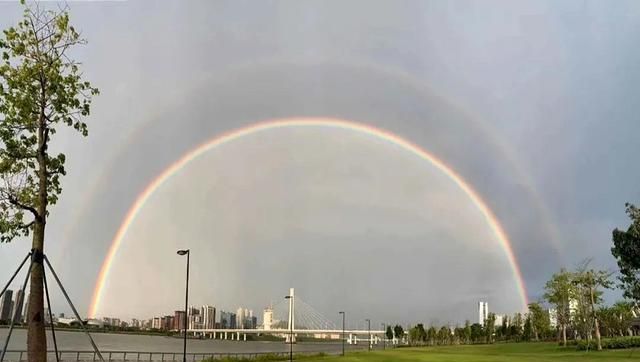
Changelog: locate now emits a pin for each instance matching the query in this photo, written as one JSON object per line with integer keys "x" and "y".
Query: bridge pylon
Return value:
{"x": 291, "y": 337}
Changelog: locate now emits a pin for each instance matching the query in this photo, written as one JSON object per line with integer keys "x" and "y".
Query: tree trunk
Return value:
{"x": 595, "y": 319}
{"x": 36, "y": 336}
{"x": 564, "y": 335}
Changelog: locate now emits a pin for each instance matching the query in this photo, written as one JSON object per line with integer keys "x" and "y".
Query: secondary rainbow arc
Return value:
{"x": 232, "y": 135}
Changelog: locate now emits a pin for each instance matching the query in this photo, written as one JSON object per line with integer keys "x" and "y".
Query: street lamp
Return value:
{"x": 369, "y": 331}
{"x": 384, "y": 336}
{"x": 186, "y": 303}
{"x": 290, "y": 330}
{"x": 343, "y": 316}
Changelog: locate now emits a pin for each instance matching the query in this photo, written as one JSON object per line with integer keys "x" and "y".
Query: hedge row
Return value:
{"x": 610, "y": 343}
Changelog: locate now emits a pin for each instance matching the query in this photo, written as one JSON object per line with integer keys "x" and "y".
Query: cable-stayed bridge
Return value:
{"x": 294, "y": 317}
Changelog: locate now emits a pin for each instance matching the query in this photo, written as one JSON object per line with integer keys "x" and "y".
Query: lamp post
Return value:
{"x": 186, "y": 303}
{"x": 343, "y": 316}
{"x": 384, "y": 336}
{"x": 369, "y": 331}
{"x": 290, "y": 331}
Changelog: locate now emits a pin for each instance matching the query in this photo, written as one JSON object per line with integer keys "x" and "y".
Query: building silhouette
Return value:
{"x": 208, "y": 314}
{"x": 483, "y": 312}
{"x": 18, "y": 306}
{"x": 5, "y": 306}
{"x": 178, "y": 320}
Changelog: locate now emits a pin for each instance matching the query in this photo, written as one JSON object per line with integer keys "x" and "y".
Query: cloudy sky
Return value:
{"x": 534, "y": 104}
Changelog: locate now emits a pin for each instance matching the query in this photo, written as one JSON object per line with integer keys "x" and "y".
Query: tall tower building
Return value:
{"x": 5, "y": 305}
{"x": 292, "y": 309}
{"x": 178, "y": 320}
{"x": 194, "y": 318}
{"x": 208, "y": 317}
{"x": 26, "y": 310}
{"x": 483, "y": 312}
{"x": 240, "y": 318}
{"x": 267, "y": 319}
{"x": 17, "y": 307}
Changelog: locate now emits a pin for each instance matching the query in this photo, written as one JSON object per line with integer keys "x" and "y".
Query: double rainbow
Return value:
{"x": 230, "y": 136}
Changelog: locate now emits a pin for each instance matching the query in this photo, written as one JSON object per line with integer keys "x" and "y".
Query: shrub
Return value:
{"x": 610, "y": 343}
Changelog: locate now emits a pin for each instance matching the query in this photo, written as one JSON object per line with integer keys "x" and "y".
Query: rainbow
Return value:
{"x": 230, "y": 136}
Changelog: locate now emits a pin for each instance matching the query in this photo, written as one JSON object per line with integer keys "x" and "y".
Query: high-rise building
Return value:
{"x": 166, "y": 323}
{"x": 115, "y": 322}
{"x": 483, "y": 312}
{"x": 178, "y": 320}
{"x": 224, "y": 319}
{"x": 240, "y": 318}
{"x": 47, "y": 318}
{"x": 267, "y": 319}
{"x": 135, "y": 323}
{"x": 553, "y": 317}
{"x": 194, "y": 319}
{"x": 26, "y": 309}
{"x": 208, "y": 316}
{"x": 17, "y": 307}
{"x": 254, "y": 322}
{"x": 156, "y": 323}
{"x": 5, "y": 305}
{"x": 232, "y": 321}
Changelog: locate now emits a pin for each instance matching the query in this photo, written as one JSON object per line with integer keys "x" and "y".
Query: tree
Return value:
{"x": 527, "y": 329}
{"x": 626, "y": 250}
{"x": 616, "y": 320}
{"x": 476, "y": 332}
{"x": 389, "y": 332}
{"x": 41, "y": 89}
{"x": 558, "y": 292}
{"x": 398, "y": 331}
{"x": 467, "y": 331}
{"x": 444, "y": 335}
{"x": 417, "y": 334}
{"x": 504, "y": 329}
{"x": 432, "y": 335}
{"x": 517, "y": 326}
{"x": 458, "y": 335}
{"x": 623, "y": 311}
{"x": 591, "y": 282}
{"x": 490, "y": 326}
{"x": 540, "y": 323}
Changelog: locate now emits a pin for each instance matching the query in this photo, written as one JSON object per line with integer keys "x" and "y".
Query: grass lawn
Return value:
{"x": 516, "y": 352}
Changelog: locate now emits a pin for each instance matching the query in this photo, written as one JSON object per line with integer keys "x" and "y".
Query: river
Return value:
{"x": 142, "y": 343}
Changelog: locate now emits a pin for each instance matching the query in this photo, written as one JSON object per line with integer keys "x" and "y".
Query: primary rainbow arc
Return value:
{"x": 230, "y": 136}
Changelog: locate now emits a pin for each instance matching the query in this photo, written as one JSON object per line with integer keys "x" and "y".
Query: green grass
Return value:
{"x": 512, "y": 352}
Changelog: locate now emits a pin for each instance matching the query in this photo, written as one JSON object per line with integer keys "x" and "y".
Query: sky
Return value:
{"x": 533, "y": 103}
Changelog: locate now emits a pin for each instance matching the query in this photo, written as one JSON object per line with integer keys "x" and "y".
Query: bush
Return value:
{"x": 610, "y": 343}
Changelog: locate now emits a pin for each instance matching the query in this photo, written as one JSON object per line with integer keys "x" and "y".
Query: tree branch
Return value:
{"x": 15, "y": 202}
{"x": 26, "y": 226}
